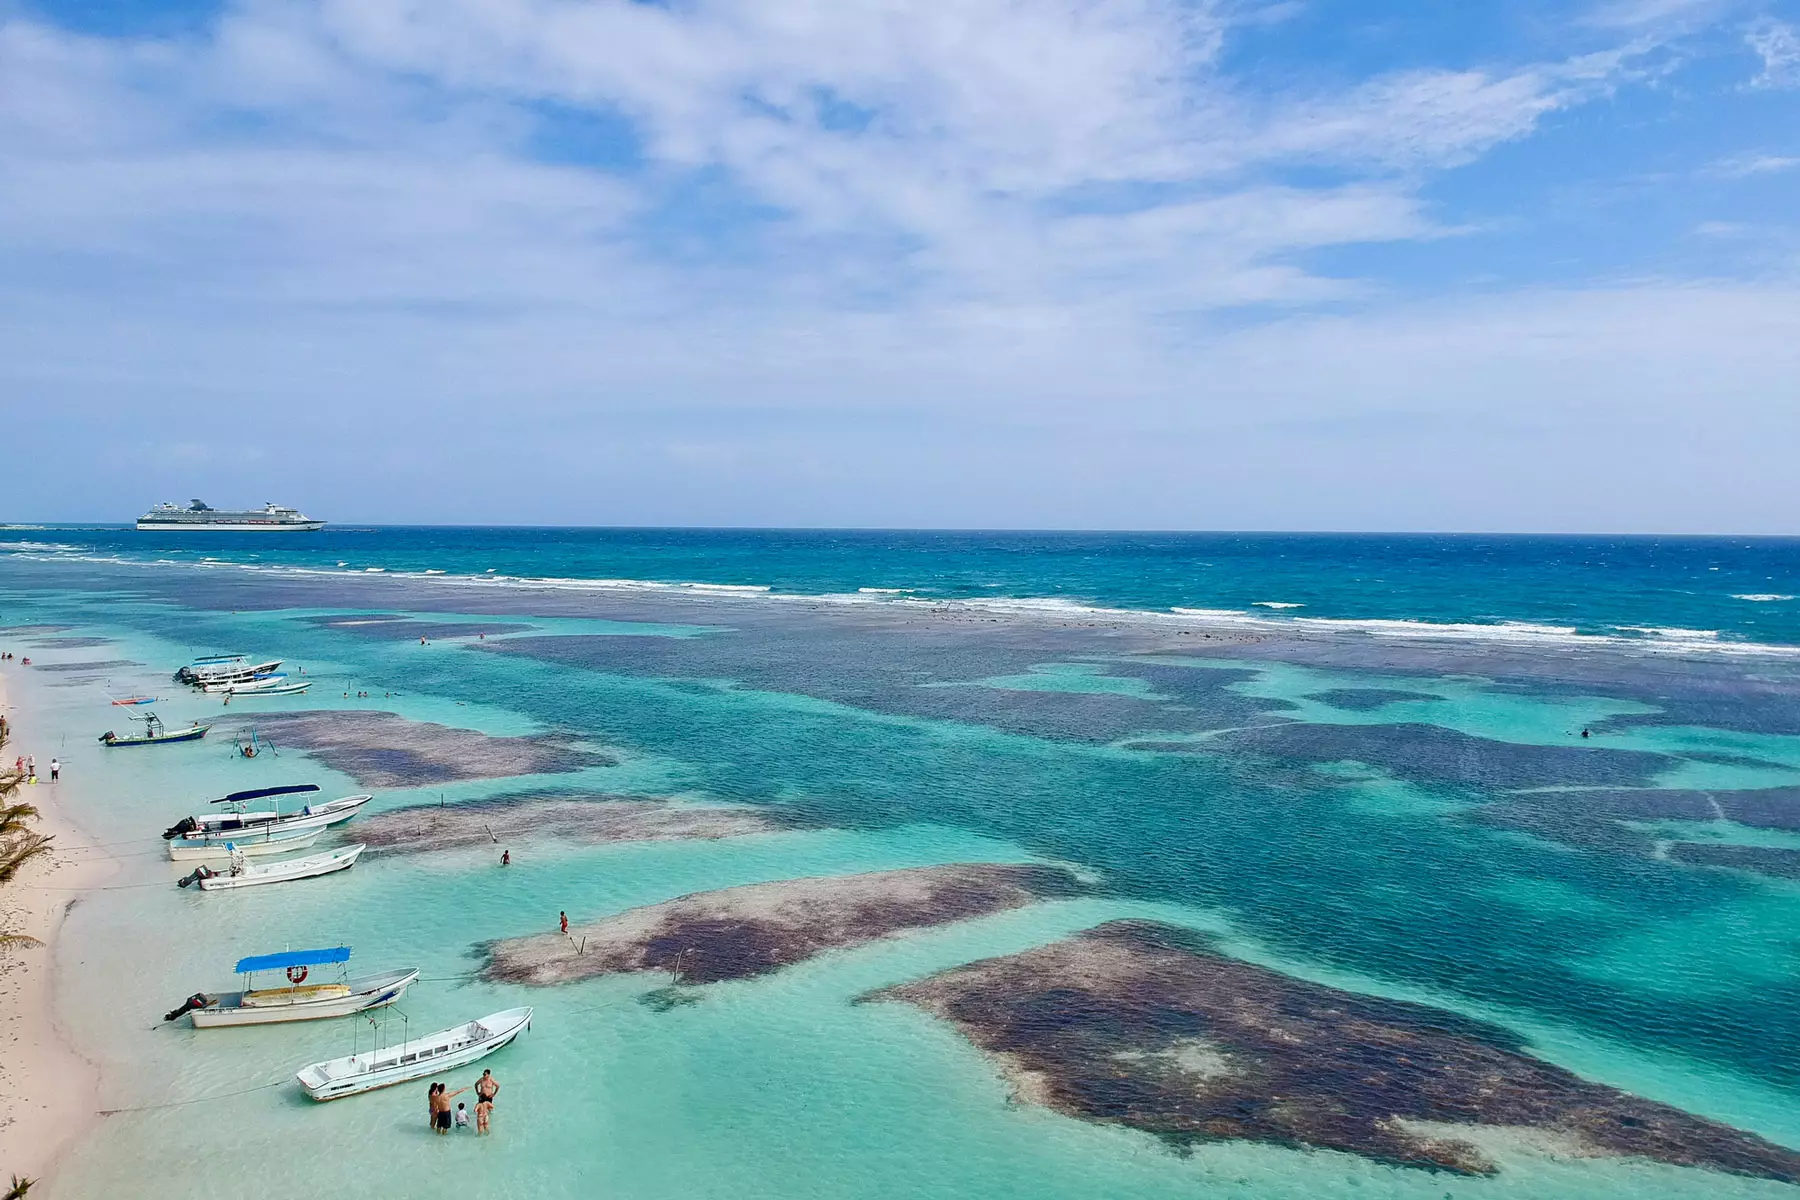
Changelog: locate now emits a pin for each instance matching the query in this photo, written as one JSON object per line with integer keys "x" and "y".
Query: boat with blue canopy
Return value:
{"x": 241, "y": 823}
{"x": 300, "y": 995}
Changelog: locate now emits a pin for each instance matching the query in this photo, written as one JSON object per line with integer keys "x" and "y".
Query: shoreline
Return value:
{"x": 50, "y": 1091}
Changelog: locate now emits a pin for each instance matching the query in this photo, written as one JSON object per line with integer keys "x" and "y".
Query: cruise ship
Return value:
{"x": 168, "y": 518}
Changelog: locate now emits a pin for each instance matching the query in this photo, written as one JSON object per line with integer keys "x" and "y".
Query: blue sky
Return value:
{"x": 1070, "y": 263}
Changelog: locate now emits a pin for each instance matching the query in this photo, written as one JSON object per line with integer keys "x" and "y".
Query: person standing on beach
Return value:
{"x": 55, "y": 770}
{"x": 565, "y": 923}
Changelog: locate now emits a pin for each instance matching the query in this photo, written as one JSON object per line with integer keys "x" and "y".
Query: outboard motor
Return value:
{"x": 195, "y": 876}
{"x": 197, "y": 1000}
{"x": 181, "y": 828}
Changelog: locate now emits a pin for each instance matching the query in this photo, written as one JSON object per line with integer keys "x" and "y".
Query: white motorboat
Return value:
{"x": 225, "y": 669}
{"x": 253, "y": 843}
{"x": 238, "y": 821}
{"x": 241, "y": 874}
{"x": 303, "y": 998}
{"x": 286, "y": 689}
{"x": 256, "y": 683}
{"x": 429, "y": 1055}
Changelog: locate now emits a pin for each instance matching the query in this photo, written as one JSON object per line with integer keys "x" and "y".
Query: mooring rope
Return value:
{"x": 262, "y": 1087}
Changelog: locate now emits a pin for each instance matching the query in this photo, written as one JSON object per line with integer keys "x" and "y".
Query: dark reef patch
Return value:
{"x": 384, "y": 749}
{"x": 741, "y": 932}
{"x": 70, "y": 643}
{"x": 1779, "y": 861}
{"x": 587, "y": 819}
{"x": 1428, "y": 754}
{"x": 31, "y": 630}
{"x": 1145, "y": 1025}
{"x": 1366, "y": 699}
{"x": 1611, "y": 819}
{"x": 880, "y": 669}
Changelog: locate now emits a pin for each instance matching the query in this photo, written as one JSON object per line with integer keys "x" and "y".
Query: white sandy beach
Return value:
{"x": 48, "y": 1091}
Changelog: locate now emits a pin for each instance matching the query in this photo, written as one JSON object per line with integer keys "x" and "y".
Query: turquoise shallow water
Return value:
{"x": 1415, "y": 818}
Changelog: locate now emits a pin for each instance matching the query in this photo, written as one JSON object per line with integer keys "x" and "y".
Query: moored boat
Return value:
{"x": 302, "y": 999}
{"x": 155, "y": 733}
{"x": 243, "y": 874}
{"x": 286, "y": 689}
{"x": 224, "y": 668}
{"x": 273, "y": 679}
{"x": 415, "y": 1059}
{"x": 255, "y": 843}
{"x": 237, "y": 821}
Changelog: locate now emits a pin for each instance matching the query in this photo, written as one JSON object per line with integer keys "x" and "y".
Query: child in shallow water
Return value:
{"x": 462, "y": 1116}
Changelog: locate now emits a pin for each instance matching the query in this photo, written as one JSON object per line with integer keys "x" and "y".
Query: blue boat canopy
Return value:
{"x": 259, "y": 793}
{"x": 293, "y": 958}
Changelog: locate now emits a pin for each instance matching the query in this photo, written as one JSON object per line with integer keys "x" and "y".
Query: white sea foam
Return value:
{"x": 1277, "y": 604}
{"x": 1763, "y": 597}
{"x": 38, "y": 547}
{"x": 1674, "y": 635}
{"x": 883, "y": 591}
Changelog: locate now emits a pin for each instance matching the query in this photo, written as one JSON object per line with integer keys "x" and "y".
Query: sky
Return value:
{"x": 1271, "y": 264}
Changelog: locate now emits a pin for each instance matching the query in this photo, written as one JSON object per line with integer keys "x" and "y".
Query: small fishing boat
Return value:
{"x": 210, "y": 663}
{"x": 429, "y": 1055}
{"x": 237, "y": 820}
{"x": 155, "y": 733}
{"x": 243, "y": 874}
{"x": 255, "y": 683}
{"x": 224, "y": 668}
{"x": 250, "y": 693}
{"x": 257, "y": 843}
{"x": 299, "y": 1000}
{"x": 127, "y": 700}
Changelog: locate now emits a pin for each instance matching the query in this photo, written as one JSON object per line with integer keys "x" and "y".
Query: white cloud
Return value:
{"x": 1778, "y": 45}
{"x": 1756, "y": 164}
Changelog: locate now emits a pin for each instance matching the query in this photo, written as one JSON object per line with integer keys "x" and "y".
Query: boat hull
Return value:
{"x": 250, "y": 844}
{"x": 212, "y": 831}
{"x": 340, "y": 1077}
{"x": 180, "y": 735}
{"x": 375, "y": 991}
{"x": 230, "y": 526}
{"x": 310, "y": 867}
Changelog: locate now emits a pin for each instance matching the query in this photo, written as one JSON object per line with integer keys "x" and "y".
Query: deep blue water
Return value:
{"x": 1621, "y": 586}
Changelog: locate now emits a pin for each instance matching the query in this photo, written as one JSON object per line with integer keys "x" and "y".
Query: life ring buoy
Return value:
{"x": 296, "y": 974}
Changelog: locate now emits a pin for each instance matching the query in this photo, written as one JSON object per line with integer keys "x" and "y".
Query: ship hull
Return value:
{"x": 230, "y": 526}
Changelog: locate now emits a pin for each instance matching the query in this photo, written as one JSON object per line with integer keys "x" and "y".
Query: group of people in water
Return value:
{"x": 443, "y": 1118}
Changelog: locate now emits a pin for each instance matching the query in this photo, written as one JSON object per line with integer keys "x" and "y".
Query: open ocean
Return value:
{"x": 1353, "y": 761}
